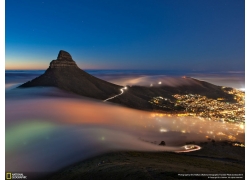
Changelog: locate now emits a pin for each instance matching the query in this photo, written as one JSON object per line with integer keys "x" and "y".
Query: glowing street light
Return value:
{"x": 163, "y": 130}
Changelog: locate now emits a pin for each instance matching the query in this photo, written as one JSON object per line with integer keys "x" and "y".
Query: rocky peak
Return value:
{"x": 63, "y": 60}
{"x": 63, "y": 55}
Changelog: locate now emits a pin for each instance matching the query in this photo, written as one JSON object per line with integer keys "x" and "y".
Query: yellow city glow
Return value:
{"x": 242, "y": 126}
{"x": 163, "y": 130}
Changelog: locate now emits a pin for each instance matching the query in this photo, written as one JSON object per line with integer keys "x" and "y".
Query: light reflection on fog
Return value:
{"x": 47, "y": 129}
{"x": 44, "y": 132}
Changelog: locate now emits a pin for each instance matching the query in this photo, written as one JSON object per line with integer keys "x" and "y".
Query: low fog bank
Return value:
{"x": 142, "y": 78}
{"x": 58, "y": 146}
{"x": 235, "y": 80}
{"x": 47, "y": 129}
{"x": 21, "y": 76}
{"x": 148, "y": 78}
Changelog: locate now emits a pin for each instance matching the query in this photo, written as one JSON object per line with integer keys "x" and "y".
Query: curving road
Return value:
{"x": 189, "y": 148}
{"x": 122, "y": 91}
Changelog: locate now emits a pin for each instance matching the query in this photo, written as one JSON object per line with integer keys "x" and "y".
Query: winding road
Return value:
{"x": 122, "y": 91}
{"x": 189, "y": 148}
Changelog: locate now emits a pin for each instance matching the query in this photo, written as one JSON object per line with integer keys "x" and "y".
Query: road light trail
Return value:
{"x": 189, "y": 148}
{"x": 122, "y": 91}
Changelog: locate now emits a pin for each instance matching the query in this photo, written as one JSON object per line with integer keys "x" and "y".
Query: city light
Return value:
{"x": 163, "y": 130}
{"x": 212, "y": 109}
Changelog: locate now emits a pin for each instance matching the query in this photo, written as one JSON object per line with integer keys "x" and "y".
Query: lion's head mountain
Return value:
{"x": 64, "y": 74}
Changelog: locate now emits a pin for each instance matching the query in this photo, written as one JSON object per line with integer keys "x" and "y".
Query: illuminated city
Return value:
{"x": 208, "y": 129}
{"x": 210, "y": 109}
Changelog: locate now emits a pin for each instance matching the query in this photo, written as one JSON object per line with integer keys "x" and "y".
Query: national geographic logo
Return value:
{"x": 15, "y": 176}
{"x": 8, "y": 176}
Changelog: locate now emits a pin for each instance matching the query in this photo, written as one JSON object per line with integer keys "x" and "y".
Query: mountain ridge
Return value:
{"x": 64, "y": 73}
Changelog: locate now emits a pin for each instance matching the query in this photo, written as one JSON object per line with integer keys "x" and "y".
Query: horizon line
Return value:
{"x": 212, "y": 71}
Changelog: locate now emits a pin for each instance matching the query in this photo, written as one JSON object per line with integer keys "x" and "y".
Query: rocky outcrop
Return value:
{"x": 64, "y": 56}
{"x": 63, "y": 60}
{"x": 162, "y": 143}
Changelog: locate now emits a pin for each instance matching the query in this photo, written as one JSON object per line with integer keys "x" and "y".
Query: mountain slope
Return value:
{"x": 65, "y": 74}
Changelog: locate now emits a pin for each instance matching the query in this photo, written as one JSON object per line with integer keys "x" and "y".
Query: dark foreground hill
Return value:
{"x": 63, "y": 73}
{"x": 211, "y": 159}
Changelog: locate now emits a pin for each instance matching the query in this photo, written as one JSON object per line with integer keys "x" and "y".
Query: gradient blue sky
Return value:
{"x": 144, "y": 34}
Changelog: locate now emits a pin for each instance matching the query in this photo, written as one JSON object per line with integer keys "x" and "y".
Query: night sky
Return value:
{"x": 204, "y": 35}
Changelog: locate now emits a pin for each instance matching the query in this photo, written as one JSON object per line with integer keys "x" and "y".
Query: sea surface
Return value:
{"x": 48, "y": 129}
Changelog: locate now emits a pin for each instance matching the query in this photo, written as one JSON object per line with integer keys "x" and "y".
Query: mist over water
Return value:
{"x": 47, "y": 129}
{"x": 235, "y": 79}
